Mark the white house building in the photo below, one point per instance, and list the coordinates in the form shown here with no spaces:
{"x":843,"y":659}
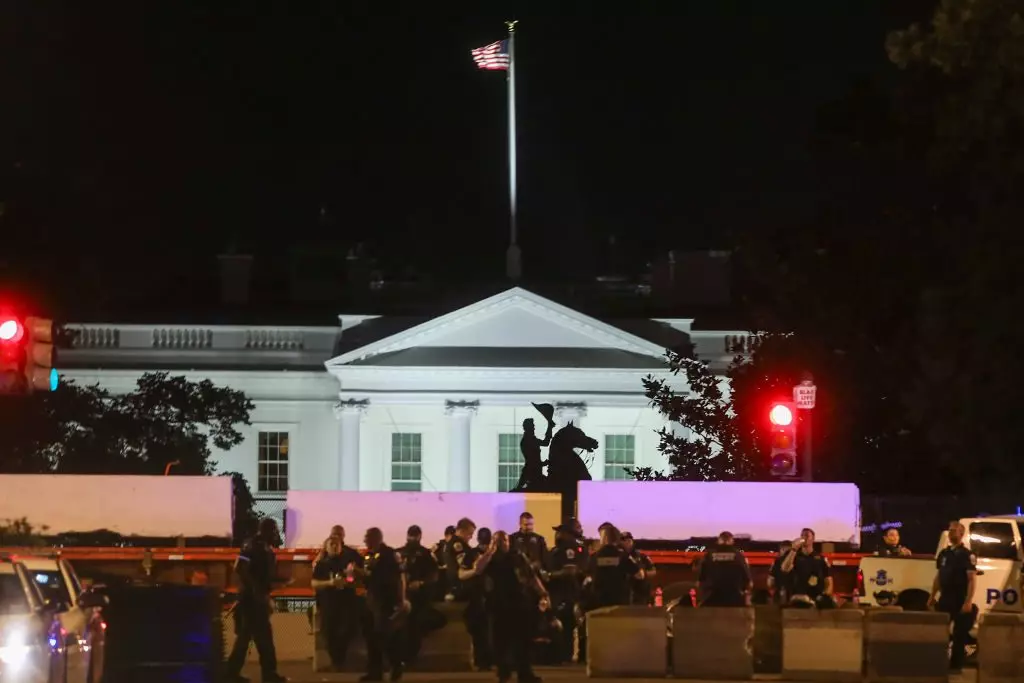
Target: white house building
{"x":380,"y":403}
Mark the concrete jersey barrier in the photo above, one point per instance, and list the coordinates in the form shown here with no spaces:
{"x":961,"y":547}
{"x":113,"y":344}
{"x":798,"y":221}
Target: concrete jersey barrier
{"x":1001,"y":648}
{"x":822,"y":645}
{"x":906,"y":647}
{"x":627,"y":642}
{"x":713,"y":643}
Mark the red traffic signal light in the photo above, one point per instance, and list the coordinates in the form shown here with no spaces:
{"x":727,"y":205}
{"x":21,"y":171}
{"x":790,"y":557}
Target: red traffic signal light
{"x":781,"y":415}
{"x":11,"y":330}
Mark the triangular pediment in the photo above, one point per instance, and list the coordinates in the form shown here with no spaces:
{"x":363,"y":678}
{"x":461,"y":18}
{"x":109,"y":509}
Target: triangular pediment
{"x":515,"y":319}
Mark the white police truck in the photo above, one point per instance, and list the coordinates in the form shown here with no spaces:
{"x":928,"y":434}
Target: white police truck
{"x":907,"y":581}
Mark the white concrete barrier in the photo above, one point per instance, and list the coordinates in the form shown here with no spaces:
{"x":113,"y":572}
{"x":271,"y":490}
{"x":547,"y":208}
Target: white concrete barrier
{"x":1001,"y":648}
{"x":822,"y":645}
{"x":627,"y":642}
{"x":713,"y":643}
{"x":906,"y":647}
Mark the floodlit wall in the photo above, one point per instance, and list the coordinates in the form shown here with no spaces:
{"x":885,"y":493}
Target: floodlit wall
{"x":130,"y":505}
{"x":765,"y":511}
{"x":311,"y":514}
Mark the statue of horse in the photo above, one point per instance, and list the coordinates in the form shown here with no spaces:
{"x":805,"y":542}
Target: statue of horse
{"x":565,"y":466}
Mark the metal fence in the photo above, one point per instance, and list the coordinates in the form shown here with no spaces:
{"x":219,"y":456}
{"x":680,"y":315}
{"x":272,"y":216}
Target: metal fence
{"x":271,"y":506}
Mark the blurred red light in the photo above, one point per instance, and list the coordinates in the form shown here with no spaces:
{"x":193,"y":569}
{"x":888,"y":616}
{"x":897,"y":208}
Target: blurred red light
{"x":781,"y":415}
{"x":11,"y":330}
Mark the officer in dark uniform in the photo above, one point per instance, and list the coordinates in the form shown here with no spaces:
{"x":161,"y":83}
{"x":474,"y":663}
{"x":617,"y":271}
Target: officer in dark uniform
{"x":421,"y":573}
{"x":778,"y":582}
{"x":640,"y":588}
{"x":953,"y":591}
{"x":515,"y":596}
{"x":891,"y":545}
{"x":441,"y":556}
{"x":256,"y":570}
{"x":336,"y":600}
{"x":610,"y":571}
{"x":810,"y":580}
{"x":567,"y":563}
{"x":386,"y":607}
{"x":724,"y":579}
{"x":530,"y":543}
{"x":483,"y":539}
{"x":462,"y":557}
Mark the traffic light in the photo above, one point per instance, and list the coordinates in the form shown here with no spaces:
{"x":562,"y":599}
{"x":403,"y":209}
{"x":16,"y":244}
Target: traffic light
{"x":40,"y":375}
{"x":12,"y":355}
{"x":782,"y":416}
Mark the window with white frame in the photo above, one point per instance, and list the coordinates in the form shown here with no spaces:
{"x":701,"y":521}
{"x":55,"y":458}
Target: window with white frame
{"x":406,"y":462}
{"x":510,"y":461}
{"x":272,"y":474}
{"x":619,"y":456}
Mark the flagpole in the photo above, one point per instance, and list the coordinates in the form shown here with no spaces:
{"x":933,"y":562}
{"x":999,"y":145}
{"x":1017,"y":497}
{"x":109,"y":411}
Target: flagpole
{"x":513,"y":266}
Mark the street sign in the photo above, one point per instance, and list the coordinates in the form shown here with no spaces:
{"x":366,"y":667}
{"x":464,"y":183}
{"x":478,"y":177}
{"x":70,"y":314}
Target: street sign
{"x":804,"y":395}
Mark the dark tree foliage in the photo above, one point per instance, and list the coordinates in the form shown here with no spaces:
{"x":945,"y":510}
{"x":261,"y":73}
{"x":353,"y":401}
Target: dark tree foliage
{"x":726,"y":417}
{"x":904,"y":292}
{"x":88,"y":430}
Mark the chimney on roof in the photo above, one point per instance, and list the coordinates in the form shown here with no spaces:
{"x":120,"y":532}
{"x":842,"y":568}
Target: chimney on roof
{"x":235,"y":277}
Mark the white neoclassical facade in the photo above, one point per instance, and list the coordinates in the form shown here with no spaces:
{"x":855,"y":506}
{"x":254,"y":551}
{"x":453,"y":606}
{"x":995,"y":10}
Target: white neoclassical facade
{"x":380,"y":403}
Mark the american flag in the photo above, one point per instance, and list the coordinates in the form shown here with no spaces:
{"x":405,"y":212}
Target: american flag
{"x":493,"y":57}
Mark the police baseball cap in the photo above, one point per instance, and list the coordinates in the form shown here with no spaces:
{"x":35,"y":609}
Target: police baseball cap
{"x":449,"y":530}
{"x":566,"y":527}
{"x":626,"y":535}
{"x":414,"y":530}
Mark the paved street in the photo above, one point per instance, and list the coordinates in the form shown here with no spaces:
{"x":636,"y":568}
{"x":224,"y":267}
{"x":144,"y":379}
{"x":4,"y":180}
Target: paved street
{"x":301,"y":672}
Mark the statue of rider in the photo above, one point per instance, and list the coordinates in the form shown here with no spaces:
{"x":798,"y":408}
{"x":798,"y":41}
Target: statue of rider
{"x":532,"y":476}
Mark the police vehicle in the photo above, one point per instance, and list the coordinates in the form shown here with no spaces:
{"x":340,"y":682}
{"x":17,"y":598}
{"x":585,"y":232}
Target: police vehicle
{"x":31,"y":639}
{"x":79,"y":612}
{"x":907,"y":581}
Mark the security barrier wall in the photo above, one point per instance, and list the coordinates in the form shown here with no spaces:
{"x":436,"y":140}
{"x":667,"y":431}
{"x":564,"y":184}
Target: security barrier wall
{"x":627,"y":642}
{"x":1001,"y":648}
{"x":883,"y":645}
{"x":906,"y":647}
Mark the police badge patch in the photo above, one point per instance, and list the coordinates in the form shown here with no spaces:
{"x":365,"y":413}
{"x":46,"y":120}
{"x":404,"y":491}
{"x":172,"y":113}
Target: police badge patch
{"x":570,"y":554}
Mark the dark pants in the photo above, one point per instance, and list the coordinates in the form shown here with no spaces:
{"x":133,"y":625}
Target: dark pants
{"x":384,"y":636}
{"x":477,"y":625}
{"x":565,"y":612}
{"x":252,"y":624}
{"x":415,"y":625}
{"x":962,"y":624}
{"x":724,"y":600}
{"x":339,"y":622}
{"x":512,"y":629}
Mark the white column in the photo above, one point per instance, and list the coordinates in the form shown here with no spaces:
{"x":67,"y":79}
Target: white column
{"x":349,"y":414}
{"x":460,"y":415}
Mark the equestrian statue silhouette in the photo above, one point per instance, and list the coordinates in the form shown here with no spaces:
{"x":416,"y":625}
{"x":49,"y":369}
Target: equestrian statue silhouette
{"x":565,"y":466}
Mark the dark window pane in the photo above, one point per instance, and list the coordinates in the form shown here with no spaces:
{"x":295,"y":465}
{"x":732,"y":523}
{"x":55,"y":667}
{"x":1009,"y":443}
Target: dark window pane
{"x":993,"y":540}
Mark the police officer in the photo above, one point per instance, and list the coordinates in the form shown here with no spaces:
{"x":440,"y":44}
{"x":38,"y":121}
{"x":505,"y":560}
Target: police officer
{"x":483,"y":539}
{"x":386,"y":606}
{"x":778,"y":583}
{"x":809,"y":574}
{"x":891,"y":545}
{"x":953,"y":591}
{"x":462,"y":557}
{"x":441,"y":556}
{"x":640,"y":588}
{"x":516,"y":593}
{"x":610,"y":571}
{"x":724,"y":579}
{"x":255,"y":569}
{"x":529,"y":543}
{"x":339,"y":607}
{"x":421,"y":573}
{"x":567,"y":563}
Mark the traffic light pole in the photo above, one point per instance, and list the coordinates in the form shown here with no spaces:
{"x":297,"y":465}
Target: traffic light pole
{"x":808,"y":449}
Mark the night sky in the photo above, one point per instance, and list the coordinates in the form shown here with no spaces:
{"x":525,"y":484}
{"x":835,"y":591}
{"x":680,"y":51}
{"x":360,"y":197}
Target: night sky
{"x":139,"y":139}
